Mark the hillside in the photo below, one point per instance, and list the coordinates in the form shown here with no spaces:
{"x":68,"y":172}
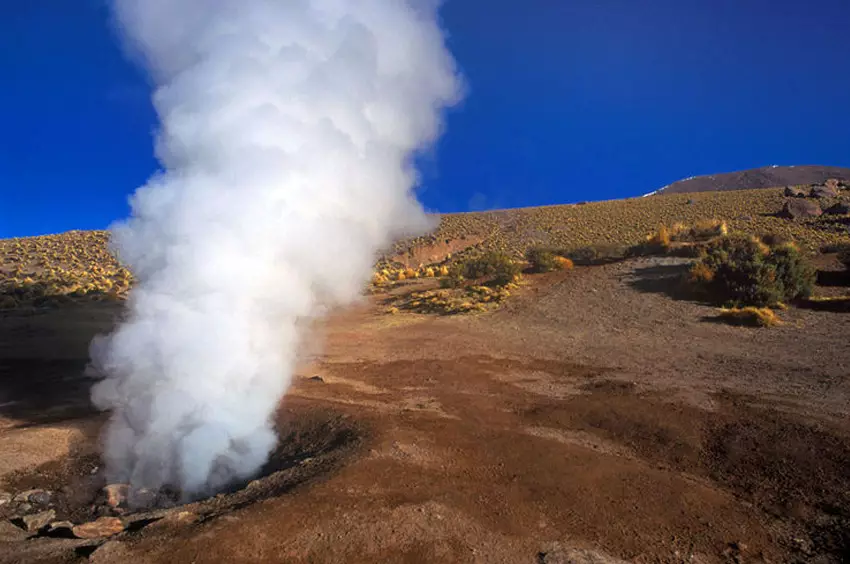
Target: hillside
{"x":516,"y":432}
{"x":765,"y":177}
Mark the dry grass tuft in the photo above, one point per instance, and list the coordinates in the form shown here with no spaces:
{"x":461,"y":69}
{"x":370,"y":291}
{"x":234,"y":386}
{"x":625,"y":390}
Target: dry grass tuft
{"x":750,"y":316}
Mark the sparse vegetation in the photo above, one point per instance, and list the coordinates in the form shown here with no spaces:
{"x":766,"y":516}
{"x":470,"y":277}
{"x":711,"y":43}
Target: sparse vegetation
{"x":743,"y":271}
{"x":542,"y":259}
{"x":750,"y":316}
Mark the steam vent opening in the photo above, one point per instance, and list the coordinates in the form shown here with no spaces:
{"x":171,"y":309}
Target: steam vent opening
{"x":311,"y":444}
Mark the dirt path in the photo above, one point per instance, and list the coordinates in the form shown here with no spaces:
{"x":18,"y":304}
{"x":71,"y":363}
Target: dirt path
{"x":594,"y":412}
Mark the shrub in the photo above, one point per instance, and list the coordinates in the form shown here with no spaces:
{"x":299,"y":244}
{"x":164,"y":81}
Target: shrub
{"x":542,"y":259}
{"x":745,"y":272}
{"x":598,"y":254}
{"x":751,"y":316}
{"x":706,"y":229}
{"x":492,"y":265}
{"x":564,"y":262}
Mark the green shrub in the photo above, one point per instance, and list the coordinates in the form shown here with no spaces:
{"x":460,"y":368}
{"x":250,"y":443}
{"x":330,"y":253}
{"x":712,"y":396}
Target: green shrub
{"x":542,"y":259}
{"x":596,"y":254}
{"x":494,"y":266}
{"x":746,"y":272}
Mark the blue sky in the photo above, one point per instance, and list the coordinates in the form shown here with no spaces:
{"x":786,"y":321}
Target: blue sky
{"x":568,"y":101}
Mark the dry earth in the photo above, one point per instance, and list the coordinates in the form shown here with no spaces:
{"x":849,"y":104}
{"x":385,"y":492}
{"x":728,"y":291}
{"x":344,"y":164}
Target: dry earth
{"x":594,"y":417}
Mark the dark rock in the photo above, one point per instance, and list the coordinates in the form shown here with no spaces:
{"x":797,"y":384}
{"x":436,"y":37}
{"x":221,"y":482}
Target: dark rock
{"x":798,"y":208}
{"x":60,"y":529}
{"x":793,"y":192}
{"x":823,"y":192}
{"x":317,"y":379}
{"x":102,"y":527}
{"x":840,"y":208}
{"x":41,"y":497}
{"x":24,"y":508}
{"x":11,"y":533}
{"x":38,"y":521}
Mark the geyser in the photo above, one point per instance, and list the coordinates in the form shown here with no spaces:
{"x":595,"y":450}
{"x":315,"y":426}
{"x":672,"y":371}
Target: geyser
{"x":286,"y":139}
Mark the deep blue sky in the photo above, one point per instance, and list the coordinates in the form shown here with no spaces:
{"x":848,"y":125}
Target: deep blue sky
{"x":568,"y":100}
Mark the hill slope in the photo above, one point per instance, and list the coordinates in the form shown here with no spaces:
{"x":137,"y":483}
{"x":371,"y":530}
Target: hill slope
{"x":765,"y":177}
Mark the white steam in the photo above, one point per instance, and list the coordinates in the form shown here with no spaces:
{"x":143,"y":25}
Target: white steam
{"x":287,"y":134}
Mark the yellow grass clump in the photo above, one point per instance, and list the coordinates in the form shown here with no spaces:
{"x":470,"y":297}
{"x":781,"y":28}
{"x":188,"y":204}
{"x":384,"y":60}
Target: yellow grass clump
{"x":751,"y":316}
{"x":564,"y":262}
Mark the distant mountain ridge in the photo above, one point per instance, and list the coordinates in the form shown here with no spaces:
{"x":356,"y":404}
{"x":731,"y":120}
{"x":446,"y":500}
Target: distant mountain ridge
{"x":765,"y":177}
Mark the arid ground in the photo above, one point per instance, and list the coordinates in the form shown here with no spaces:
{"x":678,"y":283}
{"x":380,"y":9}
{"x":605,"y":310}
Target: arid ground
{"x":596,"y":416}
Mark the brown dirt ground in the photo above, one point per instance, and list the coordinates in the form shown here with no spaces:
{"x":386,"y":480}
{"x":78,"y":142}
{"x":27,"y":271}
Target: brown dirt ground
{"x":598,"y":410}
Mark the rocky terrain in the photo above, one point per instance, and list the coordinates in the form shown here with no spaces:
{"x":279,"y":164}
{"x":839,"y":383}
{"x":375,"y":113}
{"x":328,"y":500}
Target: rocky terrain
{"x":594,"y":414}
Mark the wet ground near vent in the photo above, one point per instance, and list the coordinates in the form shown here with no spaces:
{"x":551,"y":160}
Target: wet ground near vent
{"x":593,"y":414}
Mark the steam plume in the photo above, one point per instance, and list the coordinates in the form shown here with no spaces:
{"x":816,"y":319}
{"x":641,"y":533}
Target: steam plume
{"x":287,"y":130}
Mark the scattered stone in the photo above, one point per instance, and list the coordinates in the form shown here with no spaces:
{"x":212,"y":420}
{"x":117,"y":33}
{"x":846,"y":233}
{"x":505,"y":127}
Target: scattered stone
{"x":11,"y":533}
{"x":24,"y":508}
{"x":5,"y":497}
{"x":102,"y":527}
{"x":60,"y":529}
{"x":41,"y":497}
{"x":38,"y":521}
{"x":798,"y":208}
{"x":317,"y":379}
{"x":823,"y":192}
{"x":25,"y":495}
{"x":793,"y":192}
{"x":116,"y":494}
{"x":576,"y":556}
{"x":840,"y":208}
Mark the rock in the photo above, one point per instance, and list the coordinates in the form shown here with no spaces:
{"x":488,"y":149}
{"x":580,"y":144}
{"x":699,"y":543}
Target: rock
{"x":793,"y":192}
{"x":103,"y":527}
{"x":11,"y":533}
{"x":175,"y":519}
{"x":576,"y":556}
{"x":823,"y":192}
{"x":116,"y":494}
{"x":38,"y":521}
{"x":317,"y":379}
{"x":41,"y":497}
{"x":111,"y":551}
{"x":60,"y":528}
{"x":840,"y":208}
{"x":5,"y":497}
{"x":25,"y":495}
{"x":24,"y":508}
{"x":798,"y":208}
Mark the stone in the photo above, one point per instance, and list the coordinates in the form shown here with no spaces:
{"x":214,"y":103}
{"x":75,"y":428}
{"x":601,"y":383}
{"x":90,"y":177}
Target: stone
{"x":793,"y":192}
{"x":116,"y":494}
{"x":60,"y":528}
{"x":38,"y":521}
{"x":799,"y":208}
{"x":99,"y":528}
{"x":823,"y":192}
{"x":839,"y":208}
{"x":317,"y":379}
{"x":9,"y":532}
{"x":111,"y":551}
{"x":41,"y":497}
{"x":175,"y":519}
{"x":5,"y":497}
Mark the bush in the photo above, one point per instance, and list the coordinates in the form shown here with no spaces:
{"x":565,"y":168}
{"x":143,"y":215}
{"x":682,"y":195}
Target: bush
{"x":495,"y":266}
{"x":599,"y":254}
{"x":543,"y":260}
{"x":743,"y":271}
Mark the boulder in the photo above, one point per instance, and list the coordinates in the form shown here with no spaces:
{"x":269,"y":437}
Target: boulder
{"x":5,"y":497}
{"x":99,"y":528}
{"x":38,"y":521}
{"x":793,"y":192}
{"x":797,"y":208}
{"x":839,"y":208}
{"x":823,"y":192}
{"x":11,"y":533}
